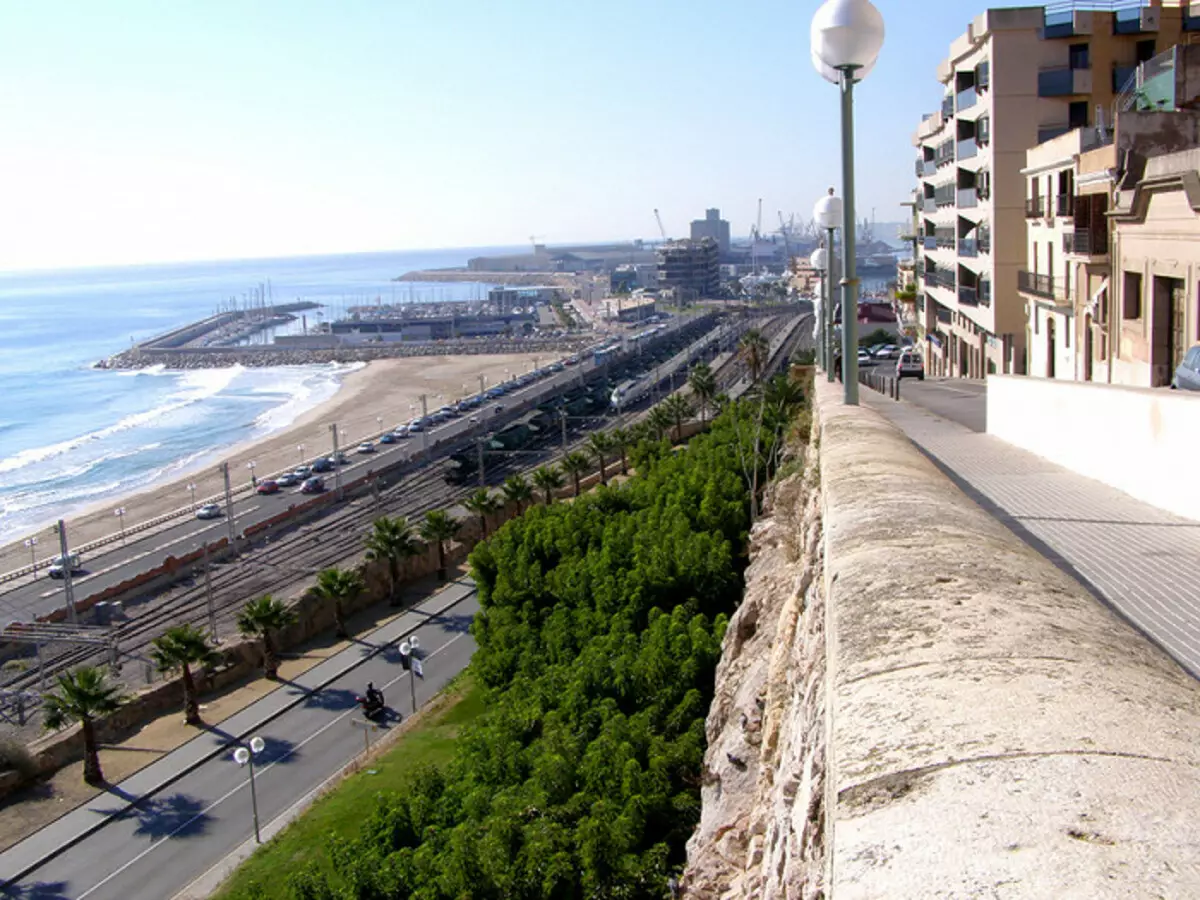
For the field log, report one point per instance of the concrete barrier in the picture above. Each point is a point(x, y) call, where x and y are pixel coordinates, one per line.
point(1142, 441)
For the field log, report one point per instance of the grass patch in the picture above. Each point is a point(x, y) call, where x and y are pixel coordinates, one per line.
point(264, 875)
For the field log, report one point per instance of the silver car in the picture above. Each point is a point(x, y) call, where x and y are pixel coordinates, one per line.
point(1187, 375)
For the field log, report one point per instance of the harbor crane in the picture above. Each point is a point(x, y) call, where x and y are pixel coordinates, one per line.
point(662, 231)
point(784, 231)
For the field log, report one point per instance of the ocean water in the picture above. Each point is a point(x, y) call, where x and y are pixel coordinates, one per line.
point(72, 435)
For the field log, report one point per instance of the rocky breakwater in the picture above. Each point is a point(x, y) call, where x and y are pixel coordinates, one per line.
point(913, 703)
point(218, 358)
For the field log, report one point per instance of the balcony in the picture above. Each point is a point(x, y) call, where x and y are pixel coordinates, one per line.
point(965, 99)
point(944, 315)
point(1038, 285)
point(984, 240)
point(1063, 81)
point(967, 198)
point(1063, 24)
point(985, 293)
point(1050, 132)
point(968, 247)
point(1123, 76)
point(1064, 205)
point(1138, 20)
point(967, 296)
point(929, 242)
point(1086, 242)
point(929, 206)
point(1034, 208)
point(966, 149)
point(948, 106)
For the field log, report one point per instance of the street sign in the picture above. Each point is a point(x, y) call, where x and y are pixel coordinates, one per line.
point(417, 669)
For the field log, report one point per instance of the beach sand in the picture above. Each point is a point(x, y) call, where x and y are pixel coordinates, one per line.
point(388, 388)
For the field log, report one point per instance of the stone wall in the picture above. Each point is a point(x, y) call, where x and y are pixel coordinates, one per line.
point(912, 703)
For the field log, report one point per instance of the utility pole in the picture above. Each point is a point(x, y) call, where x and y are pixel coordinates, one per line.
point(564, 429)
point(425, 424)
point(337, 470)
point(229, 507)
point(482, 477)
point(482, 382)
point(208, 593)
point(68, 589)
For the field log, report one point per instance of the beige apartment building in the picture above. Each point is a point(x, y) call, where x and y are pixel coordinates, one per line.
point(1017, 78)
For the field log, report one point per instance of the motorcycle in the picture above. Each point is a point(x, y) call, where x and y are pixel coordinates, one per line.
point(373, 707)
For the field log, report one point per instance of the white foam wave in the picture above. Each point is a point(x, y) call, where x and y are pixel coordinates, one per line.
point(157, 369)
point(196, 386)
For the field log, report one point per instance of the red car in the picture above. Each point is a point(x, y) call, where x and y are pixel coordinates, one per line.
point(268, 487)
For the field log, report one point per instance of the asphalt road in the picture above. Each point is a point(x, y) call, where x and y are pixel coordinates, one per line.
point(28, 598)
point(956, 399)
point(161, 846)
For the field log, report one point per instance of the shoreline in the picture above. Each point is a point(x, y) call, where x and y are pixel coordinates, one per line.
point(381, 388)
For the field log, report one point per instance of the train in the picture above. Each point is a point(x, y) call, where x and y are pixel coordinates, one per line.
point(628, 392)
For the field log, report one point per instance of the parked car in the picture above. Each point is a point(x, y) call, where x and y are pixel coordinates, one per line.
point(865, 358)
point(339, 459)
point(400, 432)
point(313, 485)
point(888, 351)
point(910, 365)
point(1187, 375)
point(268, 486)
point(365, 447)
point(288, 479)
point(416, 426)
point(57, 569)
point(302, 472)
point(387, 438)
point(323, 465)
point(209, 511)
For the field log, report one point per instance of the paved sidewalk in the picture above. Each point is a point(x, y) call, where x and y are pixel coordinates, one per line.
point(76, 825)
point(1142, 561)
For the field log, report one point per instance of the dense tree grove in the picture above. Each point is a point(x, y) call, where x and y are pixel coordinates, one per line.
point(600, 630)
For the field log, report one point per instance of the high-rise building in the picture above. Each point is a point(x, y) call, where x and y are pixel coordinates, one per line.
point(712, 226)
point(1017, 78)
point(691, 268)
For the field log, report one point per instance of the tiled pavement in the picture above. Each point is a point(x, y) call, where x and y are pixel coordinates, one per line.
point(1142, 561)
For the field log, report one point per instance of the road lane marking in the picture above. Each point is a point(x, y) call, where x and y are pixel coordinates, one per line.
point(260, 773)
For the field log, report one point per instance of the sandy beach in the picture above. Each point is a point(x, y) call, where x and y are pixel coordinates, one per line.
point(387, 389)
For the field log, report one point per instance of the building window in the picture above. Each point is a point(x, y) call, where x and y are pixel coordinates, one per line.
point(982, 75)
point(1145, 50)
point(983, 130)
point(1079, 57)
point(1131, 295)
point(1077, 114)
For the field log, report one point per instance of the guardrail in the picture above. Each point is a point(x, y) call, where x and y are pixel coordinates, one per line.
point(889, 385)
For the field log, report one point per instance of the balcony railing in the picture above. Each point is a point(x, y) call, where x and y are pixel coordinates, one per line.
point(1039, 285)
point(1086, 242)
point(967, 247)
point(1123, 76)
point(985, 293)
point(944, 315)
point(984, 240)
point(965, 99)
point(1064, 81)
point(966, 149)
point(944, 238)
point(948, 106)
point(929, 242)
point(940, 278)
point(1034, 208)
point(1131, 21)
point(1050, 132)
point(967, 296)
point(1064, 205)
point(929, 167)
point(929, 206)
point(967, 198)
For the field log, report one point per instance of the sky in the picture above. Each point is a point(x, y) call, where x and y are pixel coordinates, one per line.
point(136, 132)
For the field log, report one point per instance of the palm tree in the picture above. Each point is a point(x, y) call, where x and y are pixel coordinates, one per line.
point(439, 526)
point(678, 408)
point(259, 618)
point(393, 540)
point(182, 647)
point(575, 464)
point(483, 503)
point(704, 386)
point(517, 490)
point(339, 587)
point(622, 440)
point(753, 349)
point(600, 445)
point(83, 696)
point(548, 479)
point(658, 422)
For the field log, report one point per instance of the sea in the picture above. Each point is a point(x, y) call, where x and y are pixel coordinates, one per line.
point(72, 435)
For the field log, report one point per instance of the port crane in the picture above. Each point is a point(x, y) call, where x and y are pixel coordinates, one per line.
point(784, 232)
point(662, 231)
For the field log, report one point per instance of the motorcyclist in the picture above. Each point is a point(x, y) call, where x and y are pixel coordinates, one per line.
point(374, 695)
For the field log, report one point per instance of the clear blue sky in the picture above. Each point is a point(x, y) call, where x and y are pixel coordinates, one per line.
point(150, 131)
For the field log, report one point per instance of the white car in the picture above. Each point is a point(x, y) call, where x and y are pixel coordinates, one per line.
point(57, 569)
point(910, 365)
point(209, 511)
point(366, 447)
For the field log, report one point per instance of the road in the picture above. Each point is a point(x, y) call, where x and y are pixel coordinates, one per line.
point(28, 598)
point(164, 844)
point(959, 400)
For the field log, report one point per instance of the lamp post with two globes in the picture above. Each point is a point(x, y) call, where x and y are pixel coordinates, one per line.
point(244, 755)
point(819, 260)
point(846, 38)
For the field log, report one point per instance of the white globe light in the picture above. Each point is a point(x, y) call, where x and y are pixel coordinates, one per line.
point(241, 756)
point(256, 745)
point(413, 642)
point(828, 212)
point(819, 259)
point(405, 649)
point(846, 34)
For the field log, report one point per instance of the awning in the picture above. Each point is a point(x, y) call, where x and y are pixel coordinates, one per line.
point(1094, 302)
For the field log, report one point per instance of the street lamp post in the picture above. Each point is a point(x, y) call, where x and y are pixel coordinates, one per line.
point(300, 450)
point(820, 262)
point(379, 423)
point(252, 465)
point(244, 755)
point(846, 38)
point(192, 488)
point(408, 651)
point(828, 215)
point(31, 543)
point(119, 512)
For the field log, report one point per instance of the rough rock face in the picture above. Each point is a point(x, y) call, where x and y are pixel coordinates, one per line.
point(761, 832)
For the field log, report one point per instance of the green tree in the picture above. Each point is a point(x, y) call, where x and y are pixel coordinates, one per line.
point(548, 480)
point(83, 696)
point(658, 422)
point(600, 445)
point(753, 350)
point(575, 464)
point(679, 408)
point(482, 503)
point(260, 618)
point(517, 490)
point(438, 528)
point(182, 647)
point(338, 587)
point(622, 440)
point(704, 387)
point(392, 539)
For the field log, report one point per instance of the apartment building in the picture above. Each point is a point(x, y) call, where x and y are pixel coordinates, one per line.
point(1017, 78)
point(690, 268)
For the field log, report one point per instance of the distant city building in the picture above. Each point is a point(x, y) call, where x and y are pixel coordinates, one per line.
point(712, 226)
point(632, 276)
point(508, 298)
point(635, 308)
point(690, 268)
point(432, 329)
